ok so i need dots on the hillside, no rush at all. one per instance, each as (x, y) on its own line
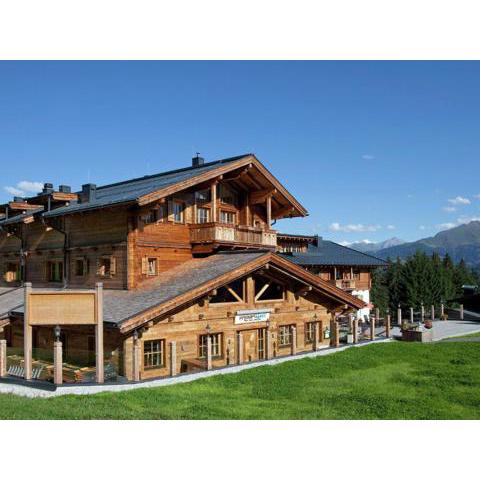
(459, 242)
(372, 247)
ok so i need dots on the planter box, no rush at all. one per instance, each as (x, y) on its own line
(417, 336)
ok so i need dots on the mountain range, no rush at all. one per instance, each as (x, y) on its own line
(462, 242)
(366, 246)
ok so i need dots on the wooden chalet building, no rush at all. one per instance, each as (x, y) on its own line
(189, 267)
(343, 267)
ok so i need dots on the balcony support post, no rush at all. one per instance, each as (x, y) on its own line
(269, 211)
(213, 199)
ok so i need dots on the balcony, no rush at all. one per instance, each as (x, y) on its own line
(345, 284)
(214, 234)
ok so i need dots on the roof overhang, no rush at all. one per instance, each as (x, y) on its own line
(318, 286)
(289, 206)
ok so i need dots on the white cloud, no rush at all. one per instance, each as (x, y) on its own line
(14, 191)
(449, 209)
(460, 221)
(23, 187)
(459, 201)
(32, 187)
(422, 227)
(366, 241)
(366, 156)
(391, 227)
(353, 227)
(446, 226)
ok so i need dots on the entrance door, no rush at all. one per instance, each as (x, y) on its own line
(254, 344)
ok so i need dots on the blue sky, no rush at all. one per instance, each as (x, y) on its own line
(372, 149)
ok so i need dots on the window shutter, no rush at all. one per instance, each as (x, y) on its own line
(113, 266)
(144, 265)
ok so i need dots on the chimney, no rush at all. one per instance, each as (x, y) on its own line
(65, 189)
(47, 188)
(88, 192)
(198, 161)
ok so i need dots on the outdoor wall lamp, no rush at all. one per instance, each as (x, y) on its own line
(57, 331)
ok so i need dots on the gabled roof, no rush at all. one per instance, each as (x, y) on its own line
(328, 253)
(149, 188)
(194, 279)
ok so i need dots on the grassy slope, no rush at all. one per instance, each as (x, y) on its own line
(385, 381)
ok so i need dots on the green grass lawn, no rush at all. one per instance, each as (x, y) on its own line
(382, 381)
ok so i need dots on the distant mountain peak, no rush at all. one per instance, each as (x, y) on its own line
(372, 247)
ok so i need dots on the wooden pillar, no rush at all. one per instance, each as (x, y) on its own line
(57, 363)
(337, 334)
(294, 340)
(387, 326)
(3, 358)
(442, 309)
(268, 343)
(399, 316)
(269, 211)
(422, 313)
(209, 352)
(213, 200)
(411, 314)
(173, 358)
(377, 313)
(136, 358)
(27, 334)
(372, 328)
(248, 221)
(315, 336)
(99, 358)
(433, 313)
(461, 312)
(355, 330)
(239, 348)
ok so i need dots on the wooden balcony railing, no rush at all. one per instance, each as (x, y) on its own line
(345, 284)
(222, 232)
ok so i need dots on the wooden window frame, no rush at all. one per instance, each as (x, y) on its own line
(12, 275)
(202, 346)
(155, 260)
(228, 212)
(208, 212)
(50, 263)
(309, 332)
(112, 268)
(182, 211)
(84, 267)
(160, 353)
(282, 335)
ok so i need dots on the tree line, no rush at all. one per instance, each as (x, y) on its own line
(421, 278)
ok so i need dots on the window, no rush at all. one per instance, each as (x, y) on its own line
(12, 272)
(356, 274)
(80, 267)
(106, 266)
(229, 293)
(216, 345)
(266, 289)
(178, 208)
(227, 195)
(156, 215)
(55, 271)
(154, 353)
(152, 267)
(202, 196)
(261, 343)
(285, 335)
(203, 215)
(338, 274)
(227, 217)
(309, 332)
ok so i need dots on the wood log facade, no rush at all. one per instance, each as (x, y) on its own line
(134, 235)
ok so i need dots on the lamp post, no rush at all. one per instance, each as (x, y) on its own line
(57, 357)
